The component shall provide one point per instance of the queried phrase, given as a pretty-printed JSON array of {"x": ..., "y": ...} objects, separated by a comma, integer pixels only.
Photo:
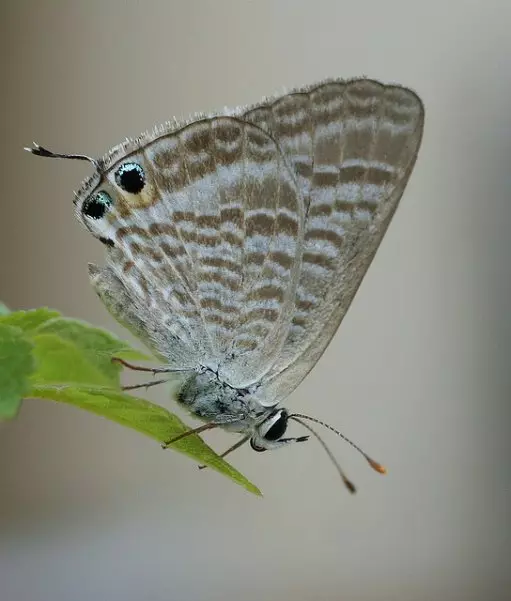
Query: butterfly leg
[
  {"x": 145, "y": 385},
  {"x": 235, "y": 446},
  {"x": 153, "y": 370},
  {"x": 242, "y": 441},
  {"x": 218, "y": 421},
  {"x": 203, "y": 428}
]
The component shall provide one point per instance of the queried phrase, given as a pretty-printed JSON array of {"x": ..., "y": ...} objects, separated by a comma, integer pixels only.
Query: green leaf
[
  {"x": 96, "y": 345},
  {"x": 16, "y": 365},
  {"x": 145, "y": 417},
  {"x": 48, "y": 356},
  {"x": 59, "y": 361},
  {"x": 4, "y": 309},
  {"x": 28, "y": 321}
]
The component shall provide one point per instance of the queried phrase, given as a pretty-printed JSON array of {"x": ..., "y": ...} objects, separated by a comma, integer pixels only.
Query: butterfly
[{"x": 235, "y": 242}]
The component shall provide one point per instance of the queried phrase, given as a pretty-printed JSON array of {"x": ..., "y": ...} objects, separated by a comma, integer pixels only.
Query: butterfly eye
[
  {"x": 97, "y": 205},
  {"x": 275, "y": 426},
  {"x": 130, "y": 177}
]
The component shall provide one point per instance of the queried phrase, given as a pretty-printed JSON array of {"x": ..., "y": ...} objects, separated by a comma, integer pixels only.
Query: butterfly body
[
  {"x": 236, "y": 242},
  {"x": 212, "y": 400},
  {"x": 208, "y": 397}
]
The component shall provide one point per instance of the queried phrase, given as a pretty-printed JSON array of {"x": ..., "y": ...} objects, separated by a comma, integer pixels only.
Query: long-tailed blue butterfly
[{"x": 236, "y": 242}]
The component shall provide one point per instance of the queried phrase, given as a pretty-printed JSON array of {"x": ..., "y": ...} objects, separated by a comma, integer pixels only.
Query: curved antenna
[
  {"x": 348, "y": 483},
  {"x": 40, "y": 151},
  {"x": 378, "y": 467}
]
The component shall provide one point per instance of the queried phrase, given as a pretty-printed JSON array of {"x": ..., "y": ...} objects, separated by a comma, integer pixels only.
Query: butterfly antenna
[
  {"x": 378, "y": 467},
  {"x": 347, "y": 482},
  {"x": 40, "y": 151}
]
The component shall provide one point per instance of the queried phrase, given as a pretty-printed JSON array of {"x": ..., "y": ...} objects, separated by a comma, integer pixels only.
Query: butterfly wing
[
  {"x": 352, "y": 146},
  {"x": 253, "y": 231},
  {"x": 203, "y": 261}
]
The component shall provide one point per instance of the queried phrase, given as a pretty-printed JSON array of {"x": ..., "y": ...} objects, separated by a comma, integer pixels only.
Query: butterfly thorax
[{"x": 209, "y": 398}]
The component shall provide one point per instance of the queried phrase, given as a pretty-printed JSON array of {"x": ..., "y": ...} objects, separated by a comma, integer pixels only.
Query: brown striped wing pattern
[
  {"x": 254, "y": 229},
  {"x": 209, "y": 251},
  {"x": 352, "y": 146}
]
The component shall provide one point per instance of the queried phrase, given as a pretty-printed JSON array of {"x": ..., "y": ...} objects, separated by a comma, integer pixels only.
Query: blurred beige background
[{"x": 418, "y": 374}]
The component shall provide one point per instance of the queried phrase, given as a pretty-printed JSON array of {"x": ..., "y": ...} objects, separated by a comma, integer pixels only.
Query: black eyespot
[
  {"x": 130, "y": 177},
  {"x": 107, "y": 241},
  {"x": 278, "y": 429},
  {"x": 96, "y": 206}
]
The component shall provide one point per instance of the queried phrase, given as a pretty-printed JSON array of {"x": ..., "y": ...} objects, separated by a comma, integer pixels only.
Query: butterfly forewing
[{"x": 363, "y": 139}]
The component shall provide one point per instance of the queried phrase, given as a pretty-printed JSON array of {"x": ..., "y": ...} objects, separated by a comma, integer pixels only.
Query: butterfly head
[{"x": 269, "y": 434}]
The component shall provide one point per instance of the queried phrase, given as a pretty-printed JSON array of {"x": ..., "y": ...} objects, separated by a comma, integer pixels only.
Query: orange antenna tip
[{"x": 378, "y": 467}]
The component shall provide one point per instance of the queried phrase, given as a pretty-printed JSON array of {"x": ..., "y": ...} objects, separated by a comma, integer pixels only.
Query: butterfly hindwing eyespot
[
  {"x": 130, "y": 177},
  {"x": 107, "y": 241},
  {"x": 97, "y": 205}
]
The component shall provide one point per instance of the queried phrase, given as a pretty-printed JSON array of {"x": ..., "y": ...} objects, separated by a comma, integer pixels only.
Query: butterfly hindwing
[{"x": 211, "y": 244}]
